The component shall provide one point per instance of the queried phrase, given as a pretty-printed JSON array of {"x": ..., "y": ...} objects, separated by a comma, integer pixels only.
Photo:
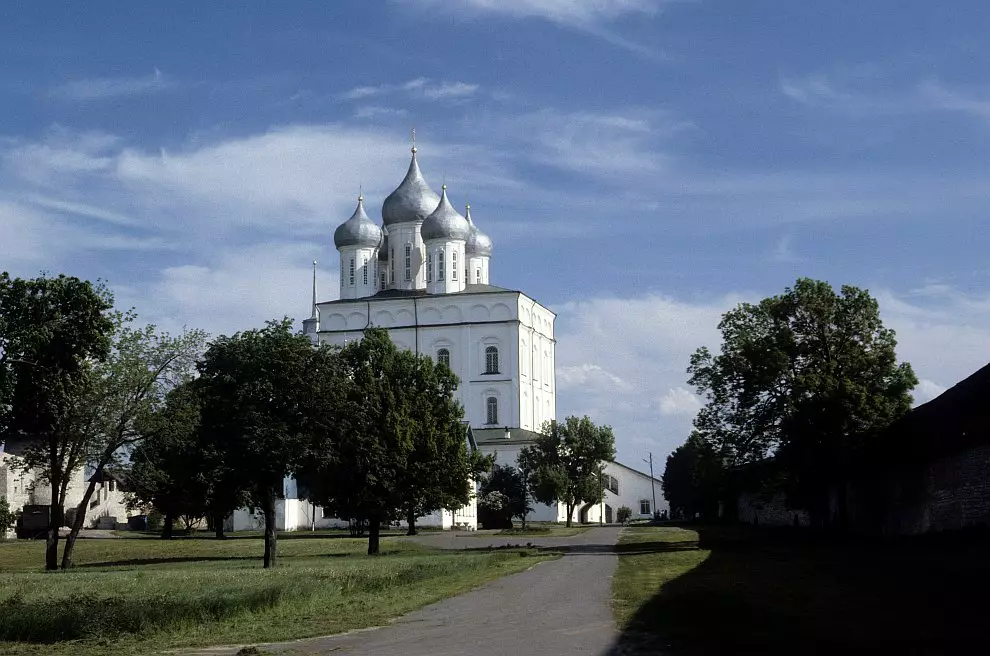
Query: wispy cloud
[
  {"x": 105, "y": 88},
  {"x": 590, "y": 16},
  {"x": 783, "y": 250},
  {"x": 420, "y": 88},
  {"x": 943, "y": 98}
]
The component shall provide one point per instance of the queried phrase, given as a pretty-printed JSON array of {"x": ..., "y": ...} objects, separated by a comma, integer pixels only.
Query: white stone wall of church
[
  {"x": 399, "y": 236},
  {"x": 364, "y": 282},
  {"x": 478, "y": 270},
  {"x": 28, "y": 488},
  {"x": 452, "y": 253}
]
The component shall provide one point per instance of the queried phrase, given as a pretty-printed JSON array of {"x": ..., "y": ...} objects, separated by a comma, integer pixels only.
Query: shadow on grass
[{"x": 792, "y": 592}]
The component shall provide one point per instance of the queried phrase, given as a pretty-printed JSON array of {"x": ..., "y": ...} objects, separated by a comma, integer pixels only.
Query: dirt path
[{"x": 557, "y": 607}]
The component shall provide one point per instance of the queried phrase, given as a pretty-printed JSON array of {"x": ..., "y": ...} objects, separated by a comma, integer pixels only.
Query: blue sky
[{"x": 641, "y": 165}]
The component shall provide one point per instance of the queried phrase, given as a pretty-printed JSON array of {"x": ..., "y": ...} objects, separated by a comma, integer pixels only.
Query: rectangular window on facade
[
  {"x": 381, "y": 280},
  {"x": 441, "y": 274},
  {"x": 408, "y": 261},
  {"x": 491, "y": 360},
  {"x": 453, "y": 265},
  {"x": 644, "y": 507},
  {"x": 364, "y": 270},
  {"x": 352, "y": 272},
  {"x": 391, "y": 266},
  {"x": 477, "y": 276},
  {"x": 429, "y": 267},
  {"x": 492, "y": 410}
]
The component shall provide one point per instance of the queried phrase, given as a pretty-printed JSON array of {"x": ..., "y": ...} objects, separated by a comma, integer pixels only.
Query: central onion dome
[
  {"x": 445, "y": 222},
  {"x": 358, "y": 230},
  {"x": 412, "y": 200},
  {"x": 478, "y": 243}
]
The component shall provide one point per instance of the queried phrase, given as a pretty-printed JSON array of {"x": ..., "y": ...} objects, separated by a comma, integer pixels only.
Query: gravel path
[{"x": 557, "y": 607}]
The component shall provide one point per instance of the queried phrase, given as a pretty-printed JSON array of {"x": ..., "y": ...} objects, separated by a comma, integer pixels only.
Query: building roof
[
  {"x": 445, "y": 222},
  {"x": 412, "y": 200},
  {"x": 635, "y": 471},
  {"x": 478, "y": 243},
  {"x": 358, "y": 230},
  {"x": 389, "y": 294},
  {"x": 496, "y": 436}
]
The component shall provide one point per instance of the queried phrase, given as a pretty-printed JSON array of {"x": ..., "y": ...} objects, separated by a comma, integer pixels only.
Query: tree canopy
[
  {"x": 566, "y": 462},
  {"x": 804, "y": 377}
]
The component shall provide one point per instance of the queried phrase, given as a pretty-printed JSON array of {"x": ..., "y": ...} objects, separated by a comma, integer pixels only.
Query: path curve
[{"x": 556, "y": 607}]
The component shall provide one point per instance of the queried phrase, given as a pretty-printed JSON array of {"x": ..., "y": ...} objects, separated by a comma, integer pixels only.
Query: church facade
[{"x": 423, "y": 273}]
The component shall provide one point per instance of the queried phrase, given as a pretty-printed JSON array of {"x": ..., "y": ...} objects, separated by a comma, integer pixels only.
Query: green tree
[
  {"x": 503, "y": 493},
  {"x": 127, "y": 389},
  {"x": 174, "y": 470},
  {"x": 255, "y": 385},
  {"x": 389, "y": 440},
  {"x": 693, "y": 478},
  {"x": 566, "y": 462},
  {"x": 806, "y": 377},
  {"x": 53, "y": 333},
  {"x": 7, "y": 518}
]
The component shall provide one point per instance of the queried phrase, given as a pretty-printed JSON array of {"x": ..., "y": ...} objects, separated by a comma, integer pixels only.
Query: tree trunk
[
  {"x": 78, "y": 521},
  {"x": 374, "y": 535},
  {"x": 167, "y": 525},
  {"x": 51, "y": 543},
  {"x": 218, "y": 526},
  {"x": 271, "y": 538},
  {"x": 411, "y": 520},
  {"x": 570, "y": 511}
]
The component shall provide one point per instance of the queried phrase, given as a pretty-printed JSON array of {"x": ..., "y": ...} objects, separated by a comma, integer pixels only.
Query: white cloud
[
  {"x": 420, "y": 88},
  {"x": 589, "y": 16},
  {"x": 783, "y": 250},
  {"x": 646, "y": 342},
  {"x": 956, "y": 101},
  {"x": 105, "y": 88},
  {"x": 679, "y": 401}
]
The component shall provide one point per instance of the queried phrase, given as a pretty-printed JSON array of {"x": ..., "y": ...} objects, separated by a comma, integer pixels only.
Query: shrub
[
  {"x": 623, "y": 514},
  {"x": 7, "y": 517}
]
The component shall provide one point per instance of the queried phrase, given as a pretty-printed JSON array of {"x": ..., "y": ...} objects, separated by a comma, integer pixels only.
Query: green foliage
[
  {"x": 391, "y": 441},
  {"x": 565, "y": 463},
  {"x": 53, "y": 333},
  {"x": 806, "y": 376},
  {"x": 8, "y": 517},
  {"x": 255, "y": 386},
  {"x": 623, "y": 514},
  {"x": 504, "y": 494},
  {"x": 693, "y": 479}
]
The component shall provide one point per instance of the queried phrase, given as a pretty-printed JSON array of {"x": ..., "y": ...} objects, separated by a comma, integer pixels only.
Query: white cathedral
[{"x": 424, "y": 275}]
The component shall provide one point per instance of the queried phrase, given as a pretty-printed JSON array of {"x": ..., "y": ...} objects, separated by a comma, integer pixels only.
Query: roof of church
[
  {"x": 388, "y": 294},
  {"x": 488, "y": 436}
]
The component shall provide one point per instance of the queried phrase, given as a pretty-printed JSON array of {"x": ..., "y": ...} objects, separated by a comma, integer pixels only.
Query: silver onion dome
[
  {"x": 358, "y": 230},
  {"x": 478, "y": 243},
  {"x": 412, "y": 200},
  {"x": 445, "y": 222}
]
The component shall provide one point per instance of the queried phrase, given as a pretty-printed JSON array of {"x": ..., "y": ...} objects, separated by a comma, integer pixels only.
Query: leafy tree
[
  {"x": 566, "y": 462},
  {"x": 389, "y": 439},
  {"x": 127, "y": 389},
  {"x": 255, "y": 386},
  {"x": 171, "y": 471},
  {"x": 54, "y": 332},
  {"x": 503, "y": 494},
  {"x": 623, "y": 514},
  {"x": 7, "y": 517},
  {"x": 806, "y": 377},
  {"x": 693, "y": 478}
]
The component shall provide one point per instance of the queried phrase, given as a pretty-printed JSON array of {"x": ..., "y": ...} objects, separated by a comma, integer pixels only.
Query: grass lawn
[
  {"x": 735, "y": 590},
  {"x": 138, "y": 596},
  {"x": 534, "y": 530}
]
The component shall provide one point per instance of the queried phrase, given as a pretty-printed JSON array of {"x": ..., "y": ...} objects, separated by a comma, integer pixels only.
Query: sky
[{"x": 642, "y": 166}]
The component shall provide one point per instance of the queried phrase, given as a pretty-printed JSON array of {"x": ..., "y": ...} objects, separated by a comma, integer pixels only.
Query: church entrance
[{"x": 608, "y": 514}]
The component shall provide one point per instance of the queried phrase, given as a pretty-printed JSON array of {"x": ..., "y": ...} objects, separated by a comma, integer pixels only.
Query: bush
[
  {"x": 623, "y": 514},
  {"x": 7, "y": 518}
]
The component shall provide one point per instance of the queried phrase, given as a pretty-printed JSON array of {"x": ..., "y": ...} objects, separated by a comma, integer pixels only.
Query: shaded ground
[
  {"x": 737, "y": 590},
  {"x": 557, "y": 607}
]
